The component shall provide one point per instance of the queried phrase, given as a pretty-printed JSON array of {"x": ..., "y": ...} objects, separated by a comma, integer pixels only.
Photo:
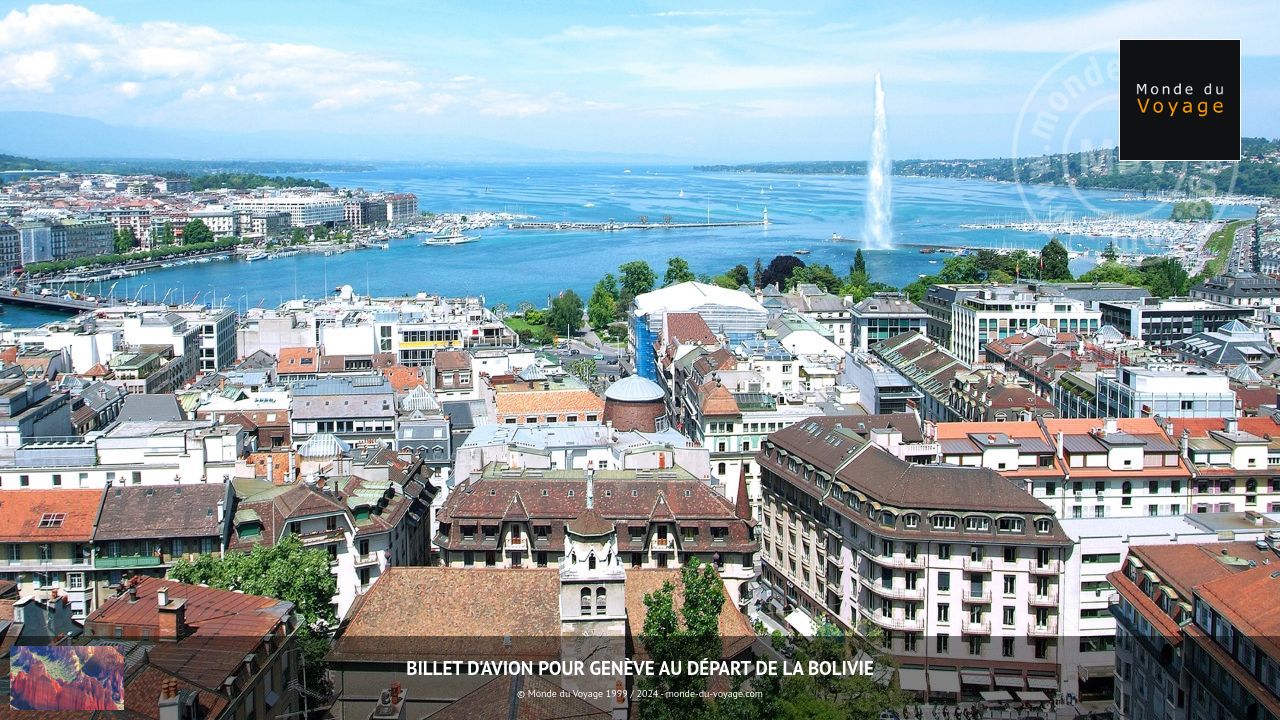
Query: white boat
[
  {"x": 452, "y": 238},
  {"x": 255, "y": 255},
  {"x": 802, "y": 252},
  {"x": 836, "y": 237},
  {"x": 589, "y": 205}
]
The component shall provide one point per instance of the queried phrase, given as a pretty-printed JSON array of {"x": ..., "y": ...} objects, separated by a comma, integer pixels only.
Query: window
[
  {"x": 57, "y": 480},
  {"x": 944, "y": 613},
  {"x": 585, "y": 602},
  {"x": 601, "y": 602},
  {"x": 942, "y": 644},
  {"x": 1010, "y": 554},
  {"x": 1006, "y": 647},
  {"x": 1010, "y": 584},
  {"x": 944, "y": 551},
  {"x": 944, "y": 581},
  {"x": 24, "y": 481},
  {"x": 51, "y": 520},
  {"x": 1011, "y": 525},
  {"x": 490, "y": 558},
  {"x": 1008, "y": 617}
]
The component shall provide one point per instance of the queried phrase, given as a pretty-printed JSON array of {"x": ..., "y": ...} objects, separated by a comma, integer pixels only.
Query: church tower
[{"x": 593, "y": 604}]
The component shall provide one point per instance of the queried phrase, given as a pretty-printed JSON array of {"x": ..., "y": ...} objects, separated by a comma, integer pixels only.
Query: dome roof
[
  {"x": 590, "y": 524},
  {"x": 323, "y": 445},
  {"x": 634, "y": 389}
]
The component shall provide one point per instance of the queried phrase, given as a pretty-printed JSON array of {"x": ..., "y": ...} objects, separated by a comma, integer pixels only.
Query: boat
[
  {"x": 255, "y": 255},
  {"x": 928, "y": 250},
  {"x": 589, "y": 205},
  {"x": 451, "y": 238},
  {"x": 836, "y": 237},
  {"x": 802, "y": 252}
]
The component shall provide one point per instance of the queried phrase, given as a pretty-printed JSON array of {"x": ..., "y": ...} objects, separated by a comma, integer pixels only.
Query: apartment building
[
  {"x": 1195, "y": 629},
  {"x": 30, "y": 410},
  {"x": 352, "y": 408},
  {"x": 401, "y": 207},
  {"x": 930, "y": 368},
  {"x": 10, "y": 248},
  {"x": 957, "y": 567},
  {"x": 48, "y": 543},
  {"x": 1163, "y": 321},
  {"x": 815, "y": 304},
  {"x": 997, "y": 312},
  {"x": 517, "y": 517},
  {"x": 882, "y": 316},
  {"x": 1235, "y": 463},
  {"x": 304, "y": 210},
  {"x": 1255, "y": 291}
]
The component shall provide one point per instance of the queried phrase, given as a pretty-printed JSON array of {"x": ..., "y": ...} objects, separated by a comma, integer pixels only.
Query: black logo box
[{"x": 1180, "y": 65}]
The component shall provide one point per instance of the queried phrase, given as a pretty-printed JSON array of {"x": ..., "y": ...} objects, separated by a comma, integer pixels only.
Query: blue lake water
[{"x": 514, "y": 265}]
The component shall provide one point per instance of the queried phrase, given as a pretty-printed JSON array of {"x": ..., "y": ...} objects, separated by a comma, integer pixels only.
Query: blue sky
[{"x": 688, "y": 80}]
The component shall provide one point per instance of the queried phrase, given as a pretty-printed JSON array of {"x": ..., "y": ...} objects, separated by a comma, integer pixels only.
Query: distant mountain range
[
  {"x": 1258, "y": 170},
  {"x": 52, "y": 136}
]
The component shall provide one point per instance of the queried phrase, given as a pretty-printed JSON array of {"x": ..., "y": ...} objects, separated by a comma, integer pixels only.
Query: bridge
[{"x": 52, "y": 302}]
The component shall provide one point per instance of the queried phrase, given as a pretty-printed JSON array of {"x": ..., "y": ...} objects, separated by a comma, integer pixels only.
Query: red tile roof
[
  {"x": 297, "y": 360},
  {"x": 60, "y": 515},
  {"x": 684, "y": 328},
  {"x": 452, "y": 360},
  {"x": 1200, "y": 427},
  {"x": 402, "y": 378}
]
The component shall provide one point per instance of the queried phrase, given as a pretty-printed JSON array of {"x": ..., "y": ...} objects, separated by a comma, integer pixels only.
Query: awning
[
  {"x": 1009, "y": 681},
  {"x": 975, "y": 677},
  {"x": 911, "y": 679},
  {"x": 1095, "y": 671},
  {"x": 801, "y": 623},
  {"x": 1033, "y": 696},
  {"x": 996, "y": 696},
  {"x": 944, "y": 681},
  {"x": 1044, "y": 683}
]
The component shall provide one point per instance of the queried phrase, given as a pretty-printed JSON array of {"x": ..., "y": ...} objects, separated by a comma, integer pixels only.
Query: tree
[
  {"x": 1165, "y": 277},
  {"x": 297, "y": 236},
  {"x": 677, "y": 272},
  {"x": 1113, "y": 272},
  {"x": 666, "y": 639},
  {"x": 757, "y": 274},
  {"x": 1054, "y": 261},
  {"x": 779, "y": 271},
  {"x": 602, "y": 308},
  {"x": 166, "y": 235},
  {"x": 523, "y": 308},
  {"x": 821, "y": 275},
  {"x": 196, "y": 232},
  {"x": 125, "y": 241},
  {"x": 321, "y": 232},
  {"x": 835, "y": 695},
  {"x": 501, "y": 310},
  {"x": 739, "y": 275},
  {"x": 584, "y": 368},
  {"x": 286, "y": 571},
  {"x": 859, "y": 262},
  {"x": 637, "y": 279},
  {"x": 1110, "y": 254},
  {"x": 565, "y": 313}
]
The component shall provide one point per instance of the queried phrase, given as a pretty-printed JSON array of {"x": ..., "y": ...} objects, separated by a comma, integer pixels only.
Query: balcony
[
  {"x": 972, "y": 565},
  {"x": 367, "y": 559},
  {"x": 663, "y": 544},
  {"x": 976, "y": 628},
  {"x": 324, "y": 537},
  {"x": 1043, "y": 600},
  {"x": 894, "y": 561},
  {"x": 1048, "y": 628},
  {"x": 128, "y": 561},
  {"x": 897, "y": 623},
  {"x": 517, "y": 543},
  {"x": 50, "y": 564},
  {"x": 1052, "y": 567},
  {"x": 896, "y": 593},
  {"x": 976, "y": 596}
]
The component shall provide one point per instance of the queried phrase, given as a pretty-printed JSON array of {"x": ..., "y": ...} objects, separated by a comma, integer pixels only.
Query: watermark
[{"x": 1066, "y": 135}]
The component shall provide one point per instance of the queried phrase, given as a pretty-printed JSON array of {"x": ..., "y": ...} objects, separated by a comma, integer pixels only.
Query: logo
[{"x": 1180, "y": 100}]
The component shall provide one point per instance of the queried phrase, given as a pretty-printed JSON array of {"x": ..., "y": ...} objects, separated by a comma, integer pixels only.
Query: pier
[{"x": 612, "y": 226}]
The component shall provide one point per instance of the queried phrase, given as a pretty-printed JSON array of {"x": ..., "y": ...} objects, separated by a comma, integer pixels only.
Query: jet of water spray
[{"x": 878, "y": 231}]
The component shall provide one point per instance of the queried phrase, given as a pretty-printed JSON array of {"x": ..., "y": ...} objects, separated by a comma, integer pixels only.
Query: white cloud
[
  {"x": 29, "y": 71},
  {"x": 129, "y": 89}
]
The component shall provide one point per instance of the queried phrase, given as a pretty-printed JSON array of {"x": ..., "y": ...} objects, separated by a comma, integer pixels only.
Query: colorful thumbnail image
[{"x": 56, "y": 677}]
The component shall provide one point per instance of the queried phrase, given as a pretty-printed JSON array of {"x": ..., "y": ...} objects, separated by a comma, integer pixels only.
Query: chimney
[
  {"x": 591, "y": 487},
  {"x": 170, "y": 704},
  {"x": 172, "y": 620},
  {"x": 1110, "y": 426},
  {"x": 1232, "y": 424},
  {"x": 1058, "y": 449},
  {"x": 222, "y": 510},
  {"x": 1185, "y": 443},
  {"x": 133, "y": 595},
  {"x": 162, "y": 595},
  {"x": 391, "y": 704}
]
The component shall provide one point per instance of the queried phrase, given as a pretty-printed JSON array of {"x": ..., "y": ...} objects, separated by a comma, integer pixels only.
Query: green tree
[
  {"x": 297, "y": 236},
  {"x": 501, "y": 310},
  {"x": 1111, "y": 254},
  {"x": 677, "y": 272},
  {"x": 166, "y": 235},
  {"x": 821, "y": 275},
  {"x": 321, "y": 232},
  {"x": 739, "y": 275},
  {"x": 637, "y": 278},
  {"x": 584, "y": 368},
  {"x": 196, "y": 232},
  {"x": 835, "y": 696},
  {"x": 565, "y": 313},
  {"x": 602, "y": 308},
  {"x": 757, "y": 274},
  {"x": 125, "y": 241},
  {"x": 859, "y": 262},
  {"x": 779, "y": 271},
  {"x": 286, "y": 571},
  {"x": 1165, "y": 277},
  {"x": 1054, "y": 261},
  {"x": 667, "y": 639}
]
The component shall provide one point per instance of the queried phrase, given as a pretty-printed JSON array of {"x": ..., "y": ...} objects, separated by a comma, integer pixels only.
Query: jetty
[
  {"x": 53, "y": 302},
  {"x": 614, "y": 226}
]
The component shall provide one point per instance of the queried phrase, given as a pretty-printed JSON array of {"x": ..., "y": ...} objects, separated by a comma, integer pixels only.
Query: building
[
  {"x": 133, "y": 216},
  {"x": 451, "y": 374},
  {"x": 882, "y": 316},
  {"x": 352, "y": 408},
  {"x": 724, "y": 311},
  {"x": 958, "y": 568},
  {"x": 10, "y": 248},
  {"x": 828, "y": 310},
  {"x": 48, "y": 543},
  {"x": 222, "y": 222},
  {"x": 143, "y": 530},
  {"x": 480, "y": 614},
  {"x": 1229, "y": 346},
  {"x": 1164, "y": 321},
  {"x": 1195, "y": 629},
  {"x": 365, "y": 523},
  {"x": 929, "y": 367},
  {"x": 1260, "y": 293},
  {"x": 1235, "y": 463},
  {"x": 880, "y": 388},
  {"x": 635, "y": 403},
  {"x": 304, "y": 210},
  {"x": 65, "y": 239},
  {"x": 30, "y": 410},
  {"x": 531, "y": 397},
  {"x": 264, "y": 223},
  {"x": 517, "y": 517},
  {"x": 1164, "y": 390},
  {"x": 401, "y": 207},
  {"x": 203, "y": 652},
  {"x": 997, "y": 312}
]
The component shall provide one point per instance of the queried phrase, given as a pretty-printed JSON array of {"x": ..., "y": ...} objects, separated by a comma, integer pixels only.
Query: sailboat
[{"x": 681, "y": 192}]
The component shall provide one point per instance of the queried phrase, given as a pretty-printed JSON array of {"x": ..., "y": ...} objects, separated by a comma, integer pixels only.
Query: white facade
[
  {"x": 1167, "y": 391},
  {"x": 304, "y": 210},
  {"x": 998, "y": 312}
]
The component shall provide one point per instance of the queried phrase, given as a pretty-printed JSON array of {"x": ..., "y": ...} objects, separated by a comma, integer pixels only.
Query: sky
[{"x": 699, "y": 81}]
